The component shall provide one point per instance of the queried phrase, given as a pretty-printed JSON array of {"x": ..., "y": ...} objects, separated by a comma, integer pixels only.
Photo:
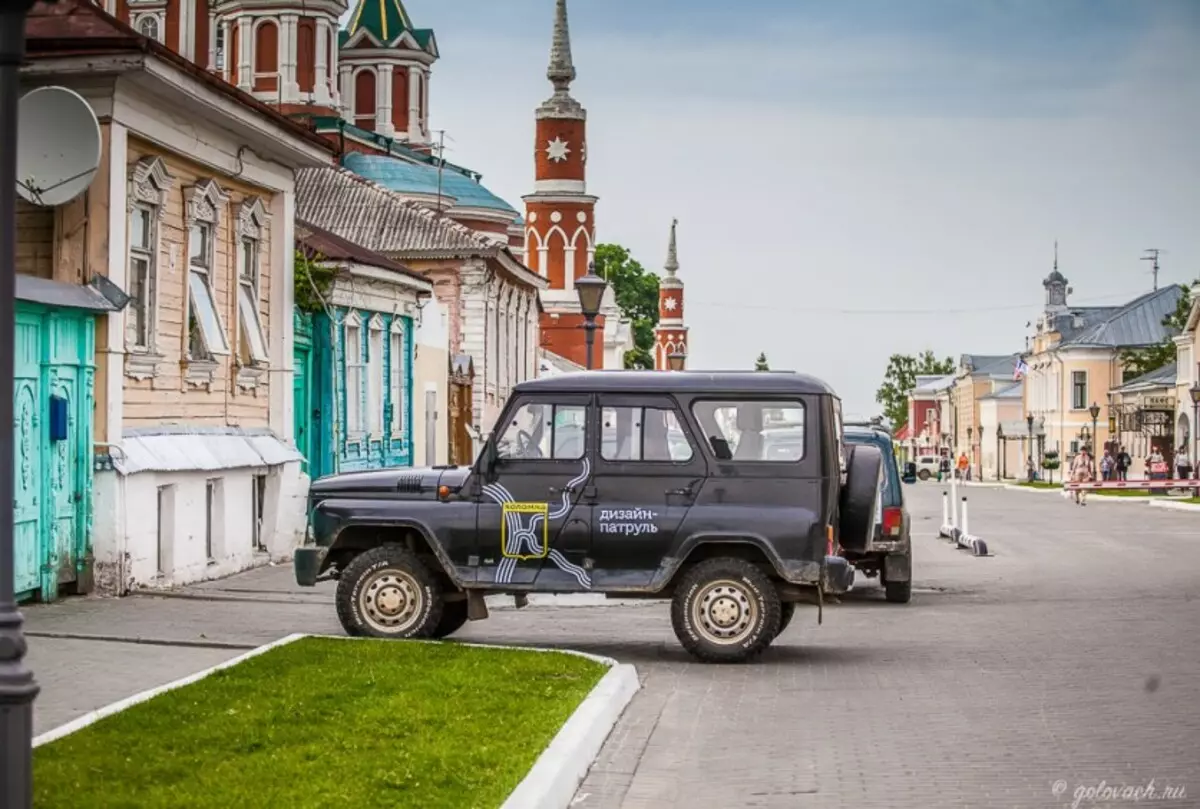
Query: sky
[{"x": 855, "y": 178}]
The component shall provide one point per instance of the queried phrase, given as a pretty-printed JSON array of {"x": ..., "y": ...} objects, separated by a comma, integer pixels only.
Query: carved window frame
[
  {"x": 144, "y": 10},
  {"x": 253, "y": 349},
  {"x": 150, "y": 185},
  {"x": 376, "y": 370},
  {"x": 352, "y": 326},
  {"x": 203, "y": 204},
  {"x": 398, "y": 368}
]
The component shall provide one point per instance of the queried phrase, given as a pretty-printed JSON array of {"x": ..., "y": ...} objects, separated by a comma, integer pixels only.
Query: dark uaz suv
[{"x": 628, "y": 483}]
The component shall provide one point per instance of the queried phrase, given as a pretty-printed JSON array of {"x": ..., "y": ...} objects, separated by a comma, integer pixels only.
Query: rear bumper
[
  {"x": 837, "y": 576},
  {"x": 307, "y": 563}
]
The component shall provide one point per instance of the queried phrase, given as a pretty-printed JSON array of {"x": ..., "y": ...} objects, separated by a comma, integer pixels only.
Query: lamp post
[
  {"x": 676, "y": 361},
  {"x": 1095, "y": 411},
  {"x": 970, "y": 451},
  {"x": 17, "y": 686},
  {"x": 1195, "y": 392},
  {"x": 590, "y": 288},
  {"x": 1000, "y": 453},
  {"x": 1033, "y": 469}
]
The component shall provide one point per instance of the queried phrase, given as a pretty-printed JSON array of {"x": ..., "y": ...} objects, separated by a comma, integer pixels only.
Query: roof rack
[{"x": 874, "y": 424}]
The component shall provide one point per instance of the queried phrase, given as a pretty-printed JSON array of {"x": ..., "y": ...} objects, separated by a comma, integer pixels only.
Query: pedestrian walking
[
  {"x": 963, "y": 464},
  {"x": 1081, "y": 472},
  {"x": 1107, "y": 465},
  {"x": 1123, "y": 464},
  {"x": 1183, "y": 464}
]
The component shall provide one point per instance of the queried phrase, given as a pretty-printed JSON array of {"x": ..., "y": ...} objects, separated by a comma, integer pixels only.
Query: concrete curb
[
  {"x": 1174, "y": 506},
  {"x": 555, "y": 776},
  {"x": 562, "y": 766},
  {"x": 108, "y": 710},
  {"x": 1012, "y": 487}
]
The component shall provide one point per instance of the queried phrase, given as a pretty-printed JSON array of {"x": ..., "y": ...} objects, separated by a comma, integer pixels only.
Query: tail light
[{"x": 893, "y": 520}]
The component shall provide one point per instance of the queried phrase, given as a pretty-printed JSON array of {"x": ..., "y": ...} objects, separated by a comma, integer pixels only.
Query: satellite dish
[{"x": 58, "y": 146}]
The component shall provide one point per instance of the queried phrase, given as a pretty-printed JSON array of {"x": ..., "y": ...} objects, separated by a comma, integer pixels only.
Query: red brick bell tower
[
  {"x": 670, "y": 335},
  {"x": 560, "y": 228}
]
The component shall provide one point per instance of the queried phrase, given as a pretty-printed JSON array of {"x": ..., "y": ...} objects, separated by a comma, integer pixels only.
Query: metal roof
[
  {"x": 734, "y": 383},
  {"x": 989, "y": 364},
  {"x": 1137, "y": 323},
  {"x": 56, "y": 293},
  {"x": 1163, "y": 377},
  {"x": 1013, "y": 391},
  {"x": 421, "y": 178},
  {"x": 198, "y": 449}
]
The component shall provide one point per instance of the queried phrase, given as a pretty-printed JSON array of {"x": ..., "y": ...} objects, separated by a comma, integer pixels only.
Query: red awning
[{"x": 903, "y": 434}]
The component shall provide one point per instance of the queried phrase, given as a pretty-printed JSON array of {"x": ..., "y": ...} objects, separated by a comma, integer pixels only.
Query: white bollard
[
  {"x": 953, "y": 498},
  {"x": 965, "y": 532},
  {"x": 945, "y": 509}
]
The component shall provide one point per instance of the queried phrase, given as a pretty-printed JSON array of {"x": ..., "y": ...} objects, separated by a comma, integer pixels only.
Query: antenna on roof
[
  {"x": 1152, "y": 255},
  {"x": 441, "y": 166}
]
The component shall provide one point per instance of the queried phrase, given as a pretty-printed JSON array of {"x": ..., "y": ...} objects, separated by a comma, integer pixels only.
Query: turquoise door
[
  {"x": 53, "y": 478},
  {"x": 302, "y": 405},
  {"x": 27, "y": 442}
]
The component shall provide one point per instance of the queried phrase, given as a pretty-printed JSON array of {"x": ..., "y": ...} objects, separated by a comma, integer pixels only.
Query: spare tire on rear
[{"x": 858, "y": 506}]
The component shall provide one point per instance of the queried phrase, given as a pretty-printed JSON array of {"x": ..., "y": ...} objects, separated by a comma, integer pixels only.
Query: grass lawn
[
  {"x": 1040, "y": 484},
  {"x": 326, "y": 722}
]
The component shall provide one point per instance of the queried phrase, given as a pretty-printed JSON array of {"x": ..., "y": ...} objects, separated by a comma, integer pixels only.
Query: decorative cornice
[
  {"x": 252, "y": 218},
  {"x": 204, "y": 201},
  {"x": 149, "y": 182}
]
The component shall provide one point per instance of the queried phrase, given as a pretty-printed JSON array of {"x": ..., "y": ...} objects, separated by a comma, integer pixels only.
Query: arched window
[
  {"x": 147, "y": 26},
  {"x": 266, "y": 56},
  {"x": 306, "y": 54},
  {"x": 364, "y": 99}
]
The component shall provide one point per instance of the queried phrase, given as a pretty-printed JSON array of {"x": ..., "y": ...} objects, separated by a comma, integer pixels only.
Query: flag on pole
[{"x": 1021, "y": 369}]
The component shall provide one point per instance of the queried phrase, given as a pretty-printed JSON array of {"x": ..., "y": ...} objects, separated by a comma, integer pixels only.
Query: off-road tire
[
  {"x": 746, "y": 582},
  {"x": 924, "y": 474},
  {"x": 786, "y": 610},
  {"x": 896, "y": 592},
  {"x": 454, "y": 615},
  {"x": 856, "y": 510},
  {"x": 364, "y": 568}
]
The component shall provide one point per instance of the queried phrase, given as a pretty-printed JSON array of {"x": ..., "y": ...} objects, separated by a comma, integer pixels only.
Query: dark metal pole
[
  {"x": 589, "y": 337},
  {"x": 17, "y": 687},
  {"x": 1094, "y": 434},
  {"x": 1196, "y": 444}
]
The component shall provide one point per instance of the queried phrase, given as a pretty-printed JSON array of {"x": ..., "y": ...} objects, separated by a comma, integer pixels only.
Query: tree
[
  {"x": 901, "y": 377},
  {"x": 636, "y": 292},
  {"x": 1139, "y": 361},
  {"x": 760, "y": 364}
]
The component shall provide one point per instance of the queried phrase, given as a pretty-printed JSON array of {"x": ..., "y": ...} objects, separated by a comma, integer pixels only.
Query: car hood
[{"x": 411, "y": 480}]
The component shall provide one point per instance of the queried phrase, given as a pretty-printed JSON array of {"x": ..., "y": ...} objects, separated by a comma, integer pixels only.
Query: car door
[
  {"x": 532, "y": 531},
  {"x": 648, "y": 473}
]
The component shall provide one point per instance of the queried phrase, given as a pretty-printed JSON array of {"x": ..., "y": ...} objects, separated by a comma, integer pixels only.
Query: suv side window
[
  {"x": 542, "y": 430},
  {"x": 770, "y": 431},
  {"x": 642, "y": 434}
]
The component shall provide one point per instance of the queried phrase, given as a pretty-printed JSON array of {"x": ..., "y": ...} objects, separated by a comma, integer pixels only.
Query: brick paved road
[{"x": 1071, "y": 654}]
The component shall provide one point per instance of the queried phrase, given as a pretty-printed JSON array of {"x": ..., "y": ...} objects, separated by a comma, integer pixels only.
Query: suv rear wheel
[
  {"x": 897, "y": 592},
  {"x": 387, "y": 592},
  {"x": 725, "y": 610}
]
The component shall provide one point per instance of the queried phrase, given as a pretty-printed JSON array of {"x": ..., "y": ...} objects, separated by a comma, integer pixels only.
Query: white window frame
[
  {"x": 399, "y": 375},
  {"x": 375, "y": 373},
  {"x": 352, "y": 362},
  {"x": 204, "y": 203},
  {"x": 253, "y": 347},
  {"x": 1084, "y": 403},
  {"x": 149, "y": 188},
  {"x": 160, "y": 25}
]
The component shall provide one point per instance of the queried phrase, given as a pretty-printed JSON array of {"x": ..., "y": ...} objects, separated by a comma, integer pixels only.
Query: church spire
[
  {"x": 672, "y": 263},
  {"x": 561, "y": 71}
]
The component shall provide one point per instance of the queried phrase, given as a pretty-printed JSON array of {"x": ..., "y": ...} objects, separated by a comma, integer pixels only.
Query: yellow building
[
  {"x": 976, "y": 377},
  {"x": 1073, "y": 362}
]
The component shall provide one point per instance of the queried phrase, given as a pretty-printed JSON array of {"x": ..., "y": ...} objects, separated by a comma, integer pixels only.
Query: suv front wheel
[
  {"x": 725, "y": 610},
  {"x": 387, "y": 592}
]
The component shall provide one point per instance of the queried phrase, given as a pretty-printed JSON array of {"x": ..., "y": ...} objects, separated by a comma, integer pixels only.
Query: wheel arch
[{"x": 358, "y": 536}]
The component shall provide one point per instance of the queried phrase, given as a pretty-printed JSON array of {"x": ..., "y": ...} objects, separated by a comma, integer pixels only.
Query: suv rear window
[
  {"x": 889, "y": 492},
  {"x": 770, "y": 431}
]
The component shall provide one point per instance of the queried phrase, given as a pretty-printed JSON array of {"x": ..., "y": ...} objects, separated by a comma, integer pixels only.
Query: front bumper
[
  {"x": 307, "y": 563},
  {"x": 837, "y": 576}
]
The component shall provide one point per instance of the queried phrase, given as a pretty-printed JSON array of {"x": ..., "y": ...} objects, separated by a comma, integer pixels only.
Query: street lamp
[
  {"x": 590, "y": 288},
  {"x": 17, "y": 686},
  {"x": 1000, "y": 453},
  {"x": 1195, "y": 392},
  {"x": 676, "y": 360},
  {"x": 1033, "y": 469},
  {"x": 1095, "y": 411}
]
